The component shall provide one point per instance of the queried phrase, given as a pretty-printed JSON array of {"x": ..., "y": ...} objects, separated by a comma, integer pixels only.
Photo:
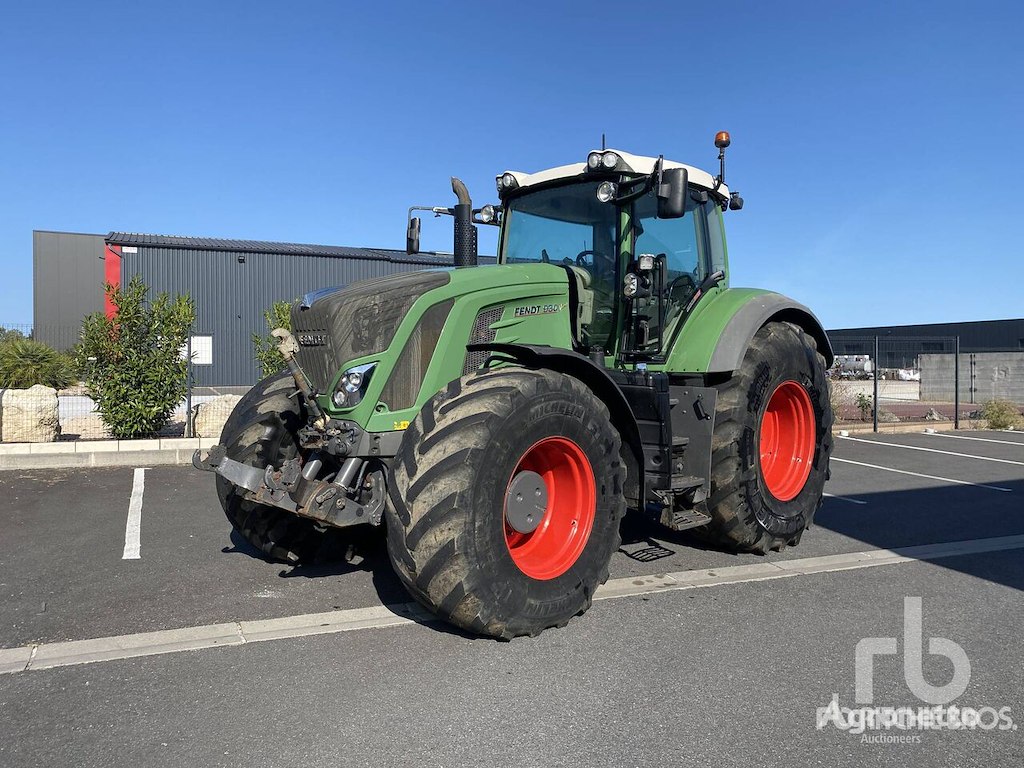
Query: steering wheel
[
  {"x": 686, "y": 283},
  {"x": 581, "y": 259}
]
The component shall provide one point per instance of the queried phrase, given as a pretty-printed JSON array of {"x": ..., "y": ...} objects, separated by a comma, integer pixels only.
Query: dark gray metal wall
[
  {"x": 67, "y": 284},
  {"x": 975, "y": 336},
  {"x": 231, "y": 295}
]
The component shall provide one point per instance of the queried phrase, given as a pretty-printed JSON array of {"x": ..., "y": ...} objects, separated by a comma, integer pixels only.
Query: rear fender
[{"x": 716, "y": 338}]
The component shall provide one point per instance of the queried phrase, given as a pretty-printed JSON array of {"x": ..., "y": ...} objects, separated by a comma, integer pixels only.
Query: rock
[
  {"x": 211, "y": 415},
  {"x": 934, "y": 415},
  {"x": 29, "y": 415},
  {"x": 887, "y": 417},
  {"x": 89, "y": 427}
]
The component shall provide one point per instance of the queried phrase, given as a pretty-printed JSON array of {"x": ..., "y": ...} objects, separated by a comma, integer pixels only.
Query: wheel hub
[{"x": 526, "y": 501}]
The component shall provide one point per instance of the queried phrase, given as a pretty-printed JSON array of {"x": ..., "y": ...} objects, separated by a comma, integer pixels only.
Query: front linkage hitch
[{"x": 294, "y": 485}]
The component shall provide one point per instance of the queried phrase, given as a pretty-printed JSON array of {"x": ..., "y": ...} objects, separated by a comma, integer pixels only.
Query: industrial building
[
  {"x": 231, "y": 282},
  {"x": 990, "y": 365},
  {"x": 900, "y": 345}
]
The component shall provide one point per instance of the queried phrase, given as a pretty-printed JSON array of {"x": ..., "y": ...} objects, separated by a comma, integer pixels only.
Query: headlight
[
  {"x": 610, "y": 160},
  {"x": 606, "y": 191},
  {"x": 487, "y": 214},
  {"x": 352, "y": 386},
  {"x": 630, "y": 285},
  {"x": 506, "y": 182},
  {"x": 645, "y": 262},
  {"x": 594, "y": 160}
]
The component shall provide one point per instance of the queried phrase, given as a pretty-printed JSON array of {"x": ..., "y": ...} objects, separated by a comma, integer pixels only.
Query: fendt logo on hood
[
  {"x": 312, "y": 339},
  {"x": 538, "y": 309}
]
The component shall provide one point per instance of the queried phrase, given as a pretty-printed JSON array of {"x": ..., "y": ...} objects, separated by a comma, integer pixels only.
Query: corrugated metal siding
[
  {"x": 231, "y": 296},
  {"x": 67, "y": 284},
  {"x": 975, "y": 336}
]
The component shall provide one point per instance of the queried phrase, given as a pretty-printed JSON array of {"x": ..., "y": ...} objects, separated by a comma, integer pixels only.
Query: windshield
[
  {"x": 560, "y": 225},
  {"x": 568, "y": 225}
]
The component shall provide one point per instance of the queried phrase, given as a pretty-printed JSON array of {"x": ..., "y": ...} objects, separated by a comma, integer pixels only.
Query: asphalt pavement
[{"x": 731, "y": 673}]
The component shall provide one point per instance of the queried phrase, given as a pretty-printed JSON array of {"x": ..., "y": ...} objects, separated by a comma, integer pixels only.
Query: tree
[
  {"x": 10, "y": 334},
  {"x": 265, "y": 347},
  {"x": 133, "y": 362}
]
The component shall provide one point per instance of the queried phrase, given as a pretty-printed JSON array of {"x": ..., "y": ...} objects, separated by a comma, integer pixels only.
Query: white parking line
[
  {"x": 843, "y": 498},
  {"x": 918, "y": 474},
  {"x": 50, "y": 655},
  {"x": 933, "y": 450},
  {"x": 133, "y": 528},
  {"x": 979, "y": 439}
]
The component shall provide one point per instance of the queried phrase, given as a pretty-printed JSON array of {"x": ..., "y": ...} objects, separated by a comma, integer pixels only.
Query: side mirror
[
  {"x": 412, "y": 236},
  {"x": 672, "y": 193}
]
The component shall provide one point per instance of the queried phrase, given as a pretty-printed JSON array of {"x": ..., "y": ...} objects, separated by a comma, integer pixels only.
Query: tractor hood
[
  {"x": 335, "y": 325},
  {"x": 402, "y": 322}
]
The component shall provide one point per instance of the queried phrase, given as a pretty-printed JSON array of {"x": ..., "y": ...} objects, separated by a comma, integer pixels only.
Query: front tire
[
  {"x": 262, "y": 431},
  {"x": 462, "y": 534},
  {"x": 772, "y": 443}
]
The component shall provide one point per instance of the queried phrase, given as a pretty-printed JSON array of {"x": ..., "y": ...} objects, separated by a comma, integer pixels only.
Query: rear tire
[
  {"x": 261, "y": 431},
  {"x": 449, "y": 537},
  {"x": 772, "y": 443}
]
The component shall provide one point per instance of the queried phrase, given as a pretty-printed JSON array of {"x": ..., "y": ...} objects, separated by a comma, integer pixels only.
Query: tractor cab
[{"x": 640, "y": 235}]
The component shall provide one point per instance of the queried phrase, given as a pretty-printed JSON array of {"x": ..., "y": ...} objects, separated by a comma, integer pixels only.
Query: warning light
[{"x": 722, "y": 139}]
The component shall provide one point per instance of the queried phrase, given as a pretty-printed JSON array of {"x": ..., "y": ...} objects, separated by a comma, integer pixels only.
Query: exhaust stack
[{"x": 465, "y": 230}]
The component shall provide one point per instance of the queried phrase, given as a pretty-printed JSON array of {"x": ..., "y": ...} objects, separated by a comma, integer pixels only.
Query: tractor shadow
[{"x": 348, "y": 551}]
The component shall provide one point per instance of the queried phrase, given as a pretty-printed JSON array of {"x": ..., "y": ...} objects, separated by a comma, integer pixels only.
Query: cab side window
[{"x": 679, "y": 239}]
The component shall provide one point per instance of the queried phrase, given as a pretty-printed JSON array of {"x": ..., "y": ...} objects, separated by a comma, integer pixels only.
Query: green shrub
[
  {"x": 133, "y": 364},
  {"x": 265, "y": 347},
  {"x": 1001, "y": 414},
  {"x": 24, "y": 363},
  {"x": 865, "y": 405}
]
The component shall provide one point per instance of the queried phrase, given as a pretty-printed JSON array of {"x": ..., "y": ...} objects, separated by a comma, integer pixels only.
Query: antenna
[{"x": 602, "y": 142}]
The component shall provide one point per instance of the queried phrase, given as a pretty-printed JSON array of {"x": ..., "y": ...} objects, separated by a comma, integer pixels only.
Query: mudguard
[{"x": 716, "y": 338}]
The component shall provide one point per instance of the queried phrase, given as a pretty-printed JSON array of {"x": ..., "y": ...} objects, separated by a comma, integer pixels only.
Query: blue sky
[{"x": 878, "y": 146}]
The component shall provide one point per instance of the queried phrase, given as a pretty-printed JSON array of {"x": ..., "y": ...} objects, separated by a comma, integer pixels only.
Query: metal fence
[
  {"x": 891, "y": 380},
  {"x": 67, "y": 412},
  {"x": 877, "y": 380}
]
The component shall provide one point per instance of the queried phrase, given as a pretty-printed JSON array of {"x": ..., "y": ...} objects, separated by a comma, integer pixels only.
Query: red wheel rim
[
  {"x": 564, "y": 529},
  {"x": 787, "y": 440}
]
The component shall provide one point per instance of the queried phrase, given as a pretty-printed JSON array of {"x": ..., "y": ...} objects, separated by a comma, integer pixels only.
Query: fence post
[
  {"x": 188, "y": 389},
  {"x": 874, "y": 402},
  {"x": 956, "y": 383}
]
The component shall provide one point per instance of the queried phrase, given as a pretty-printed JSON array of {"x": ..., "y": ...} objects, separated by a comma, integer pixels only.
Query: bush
[
  {"x": 265, "y": 347},
  {"x": 866, "y": 406},
  {"x": 24, "y": 363},
  {"x": 1001, "y": 414},
  {"x": 133, "y": 363}
]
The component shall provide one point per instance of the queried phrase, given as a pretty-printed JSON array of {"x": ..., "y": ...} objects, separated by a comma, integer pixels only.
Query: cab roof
[{"x": 640, "y": 164}]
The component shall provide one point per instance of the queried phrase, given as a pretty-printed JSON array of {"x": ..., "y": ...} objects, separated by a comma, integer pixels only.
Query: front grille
[
  {"x": 482, "y": 333},
  {"x": 314, "y": 359}
]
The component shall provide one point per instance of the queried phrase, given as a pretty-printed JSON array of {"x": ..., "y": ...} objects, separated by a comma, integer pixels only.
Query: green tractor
[{"x": 500, "y": 420}]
